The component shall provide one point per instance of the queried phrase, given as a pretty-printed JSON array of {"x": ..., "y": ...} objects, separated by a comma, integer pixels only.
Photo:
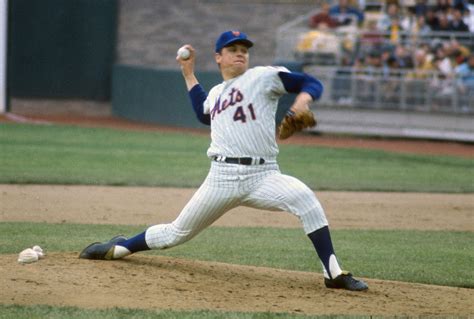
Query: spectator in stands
[
  {"x": 443, "y": 6},
  {"x": 443, "y": 24},
  {"x": 373, "y": 63},
  {"x": 428, "y": 49},
  {"x": 403, "y": 57},
  {"x": 392, "y": 64},
  {"x": 423, "y": 66},
  {"x": 419, "y": 30},
  {"x": 465, "y": 81},
  {"x": 462, "y": 5},
  {"x": 322, "y": 19},
  {"x": 417, "y": 79},
  {"x": 393, "y": 11},
  {"x": 457, "y": 24},
  {"x": 446, "y": 55},
  {"x": 460, "y": 51},
  {"x": 395, "y": 31},
  {"x": 390, "y": 85},
  {"x": 457, "y": 57},
  {"x": 345, "y": 14},
  {"x": 360, "y": 4},
  {"x": 442, "y": 84},
  {"x": 389, "y": 2},
  {"x": 420, "y": 8},
  {"x": 432, "y": 19},
  {"x": 388, "y": 61},
  {"x": 387, "y": 53},
  {"x": 371, "y": 38}
]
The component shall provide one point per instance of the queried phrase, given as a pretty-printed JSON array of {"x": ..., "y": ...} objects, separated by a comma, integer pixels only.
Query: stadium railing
[{"x": 373, "y": 88}]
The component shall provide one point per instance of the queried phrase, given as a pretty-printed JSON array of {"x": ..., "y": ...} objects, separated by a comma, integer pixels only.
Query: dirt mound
[{"x": 157, "y": 282}]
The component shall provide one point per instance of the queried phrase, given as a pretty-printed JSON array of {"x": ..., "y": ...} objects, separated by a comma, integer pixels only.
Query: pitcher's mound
[{"x": 157, "y": 282}]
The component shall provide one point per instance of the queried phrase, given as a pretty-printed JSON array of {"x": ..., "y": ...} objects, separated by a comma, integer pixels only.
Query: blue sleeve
[
  {"x": 198, "y": 96},
  {"x": 295, "y": 82}
]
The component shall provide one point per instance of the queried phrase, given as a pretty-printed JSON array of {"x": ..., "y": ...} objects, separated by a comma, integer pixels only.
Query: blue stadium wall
[
  {"x": 155, "y": 96},
  {"x": 160, "y": 96},
  {"x": 61, "y": 48}
]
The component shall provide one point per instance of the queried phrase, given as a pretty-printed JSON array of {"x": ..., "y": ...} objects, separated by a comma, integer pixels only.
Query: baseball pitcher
[{"x": 243, "y": 153}]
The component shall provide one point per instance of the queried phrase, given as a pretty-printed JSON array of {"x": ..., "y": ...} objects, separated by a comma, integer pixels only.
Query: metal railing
[{"x": 372, "y": 88}]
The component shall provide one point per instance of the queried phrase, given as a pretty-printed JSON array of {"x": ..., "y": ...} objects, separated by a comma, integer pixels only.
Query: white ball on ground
[{"x": 39, "y": 251}]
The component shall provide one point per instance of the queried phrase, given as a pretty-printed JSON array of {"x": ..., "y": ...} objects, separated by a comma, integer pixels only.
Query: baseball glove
[{"x": 295, "y": 122}]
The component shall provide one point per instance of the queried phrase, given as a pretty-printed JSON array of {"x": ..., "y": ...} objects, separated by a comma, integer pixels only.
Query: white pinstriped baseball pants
[{"x": 230, "y": 185}]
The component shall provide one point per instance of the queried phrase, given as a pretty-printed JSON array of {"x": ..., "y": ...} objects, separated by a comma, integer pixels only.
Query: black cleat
[
  {"x": 102, "y": 251},
  {"x": 346, "y": 281}
]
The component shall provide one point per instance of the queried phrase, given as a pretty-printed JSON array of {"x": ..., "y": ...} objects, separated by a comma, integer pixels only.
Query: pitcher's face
[{"x": 233, "y": 60}]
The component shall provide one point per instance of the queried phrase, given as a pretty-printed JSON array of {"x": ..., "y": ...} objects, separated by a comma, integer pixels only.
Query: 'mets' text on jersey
[{"x": 242, "y": 112}]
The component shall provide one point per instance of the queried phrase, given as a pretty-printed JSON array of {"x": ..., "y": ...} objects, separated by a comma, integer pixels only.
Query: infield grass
[
  {"x": 431, "y": 257},
  {"x": 50, "y": 154}
]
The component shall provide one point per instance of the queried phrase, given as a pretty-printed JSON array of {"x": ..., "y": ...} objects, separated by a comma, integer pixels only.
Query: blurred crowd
[
  {"x": 414, "y": 40},
  {"x": 418, "y": 17}
]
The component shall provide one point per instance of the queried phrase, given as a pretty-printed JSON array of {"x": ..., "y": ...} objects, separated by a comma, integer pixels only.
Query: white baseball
[
  {"x": 38, "y": 251},
  {"x": 184, "y": 53}
]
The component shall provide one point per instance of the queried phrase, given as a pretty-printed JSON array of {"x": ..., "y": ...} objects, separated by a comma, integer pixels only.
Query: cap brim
[{"x": 245, "y": 42}]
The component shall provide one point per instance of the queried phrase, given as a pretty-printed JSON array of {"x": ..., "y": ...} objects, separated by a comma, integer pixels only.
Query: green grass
[
  {"x": 364, "y": 170},
  {"x": 36, "y": 312},
  {"x": 73, "y": 155},
  {"x": 431, "y": 257}
]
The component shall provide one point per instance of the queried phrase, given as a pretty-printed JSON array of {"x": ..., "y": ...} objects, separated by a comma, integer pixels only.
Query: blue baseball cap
[{"x": 229, "y": 37}]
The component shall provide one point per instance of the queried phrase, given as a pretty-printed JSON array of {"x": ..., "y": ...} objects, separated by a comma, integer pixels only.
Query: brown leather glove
[{"x": 295, "y": 122}]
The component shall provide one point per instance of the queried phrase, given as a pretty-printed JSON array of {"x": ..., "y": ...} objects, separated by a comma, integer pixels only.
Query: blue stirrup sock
[
  {"x": 137, "y": 243},
  {"x": 322, "y": 242}
]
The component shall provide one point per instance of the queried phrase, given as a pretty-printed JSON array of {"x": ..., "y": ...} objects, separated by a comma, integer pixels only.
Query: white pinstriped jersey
[{"x": 242, "y": 113}]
